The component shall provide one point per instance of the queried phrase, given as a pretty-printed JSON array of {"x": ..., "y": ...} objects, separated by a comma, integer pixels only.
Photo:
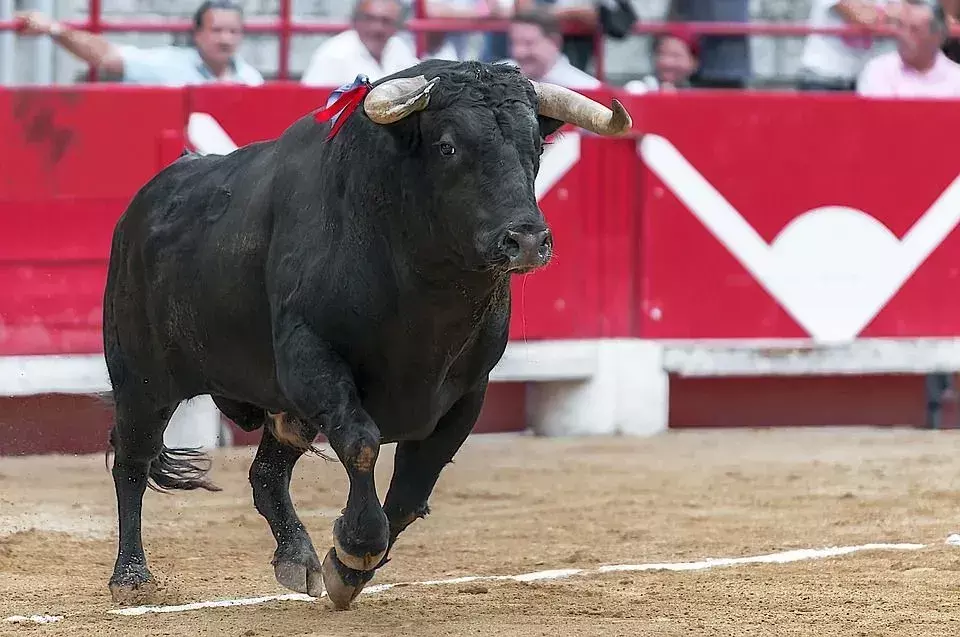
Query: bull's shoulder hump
[{"x": 193, "y": 174}]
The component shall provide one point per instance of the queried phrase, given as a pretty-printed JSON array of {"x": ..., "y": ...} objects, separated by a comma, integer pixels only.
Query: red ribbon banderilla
[{"x": 346, "y": 103}]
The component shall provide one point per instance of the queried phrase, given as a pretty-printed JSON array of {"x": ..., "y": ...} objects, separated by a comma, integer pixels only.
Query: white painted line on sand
[
  {"x": 771, "y": 558},
  {"x": 143, "y": 610},
  {"x": 33, "y": 619}
]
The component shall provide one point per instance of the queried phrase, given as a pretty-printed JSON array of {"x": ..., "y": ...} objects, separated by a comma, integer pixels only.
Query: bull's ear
[{"x": 548, "y": 125}]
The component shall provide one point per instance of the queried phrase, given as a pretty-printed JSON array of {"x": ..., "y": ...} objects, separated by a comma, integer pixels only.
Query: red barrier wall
[
  {"x": 71, "y": 161},
  {"x": 640, "y": 248},
  {"x": 77, "y": 157},
  {"x": 871, "y": 172}
]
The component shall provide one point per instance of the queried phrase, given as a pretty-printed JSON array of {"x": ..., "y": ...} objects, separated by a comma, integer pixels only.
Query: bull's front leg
[
  {"x": 416, "y": 469},
  {"x": 321, "y": 387},
  {"x": 418, "y": 463}
]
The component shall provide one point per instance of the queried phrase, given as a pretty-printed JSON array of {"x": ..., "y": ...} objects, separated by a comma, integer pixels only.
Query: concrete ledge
[
  {"x": 29, "y": 375},
  {"x": 574, "y": 387},
  {"x": 543, "y": 361},
  {"x": 802, "y": 357},
  {"x": 627, "y": 393}
]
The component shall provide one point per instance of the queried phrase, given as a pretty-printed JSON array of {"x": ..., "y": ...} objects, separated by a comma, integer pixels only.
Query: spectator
[
  {"x": 952, "y": 46},
  {"x": 217, "y": 34},
  {"x": 918, "y": 68},
  {"x": 832, "y": 63},
  {"x": 676, "y": 56},
  {"x": 577, "y": 48},
  {"x": 724, "y": 59},
  {"x": 372, "y": 47},
  {"x": 535, "y": 40}
]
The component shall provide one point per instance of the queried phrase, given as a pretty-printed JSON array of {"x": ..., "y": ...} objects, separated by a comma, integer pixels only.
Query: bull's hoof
[
  {"x": 365, "y": 562},
  {"x": 299, "y": 577},
  {"x": 134, "y": 585},
  {"x": 297, "y": 567},
  {"x": 342, "y": 583}
]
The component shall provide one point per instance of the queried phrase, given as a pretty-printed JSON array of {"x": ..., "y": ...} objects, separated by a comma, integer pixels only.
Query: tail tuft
[{"x": 182, "y": 469}]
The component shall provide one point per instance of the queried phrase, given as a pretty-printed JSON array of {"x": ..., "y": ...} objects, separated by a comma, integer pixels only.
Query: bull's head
[{"x": 480, "y": 144}]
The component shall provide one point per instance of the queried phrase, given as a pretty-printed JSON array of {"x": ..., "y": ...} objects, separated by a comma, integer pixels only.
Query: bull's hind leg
[
  {"x": 137, "y": 439},
  {"x": 295, "y": 562},
  {"x": 141, "y": 460}
]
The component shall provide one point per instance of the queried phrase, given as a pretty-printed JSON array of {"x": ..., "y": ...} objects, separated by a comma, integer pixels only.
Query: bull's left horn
[
  {"x": 393, "y": 100},
  {"x": 569, "y": 106}
]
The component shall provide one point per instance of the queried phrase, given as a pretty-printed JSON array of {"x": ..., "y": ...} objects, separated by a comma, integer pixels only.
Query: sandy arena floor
[{"x": 512, "y": 505}]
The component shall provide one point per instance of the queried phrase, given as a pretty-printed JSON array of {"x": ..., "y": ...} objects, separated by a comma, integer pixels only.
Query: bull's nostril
[
  {"x": 527, "y": 248},
  {"x": 510, "y": 246}
]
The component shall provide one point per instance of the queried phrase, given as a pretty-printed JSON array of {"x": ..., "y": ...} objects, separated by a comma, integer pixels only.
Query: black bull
[{"x": 356, "y": 286}]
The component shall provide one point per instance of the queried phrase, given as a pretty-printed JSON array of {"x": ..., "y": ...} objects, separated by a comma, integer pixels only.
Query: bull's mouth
[
  {"x": 506, "y": 266},
  {"x": 527, "y": 268}
]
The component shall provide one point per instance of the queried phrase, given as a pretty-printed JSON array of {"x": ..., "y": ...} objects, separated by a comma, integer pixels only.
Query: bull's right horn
[
  {"x": 569, "y": 106},
  {"x": 393, "y": 100}
]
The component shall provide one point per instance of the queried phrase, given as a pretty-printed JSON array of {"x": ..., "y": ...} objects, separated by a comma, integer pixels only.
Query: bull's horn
[
  {"x": 569, "y": 106},
  {"x": 393, "y": 100}
]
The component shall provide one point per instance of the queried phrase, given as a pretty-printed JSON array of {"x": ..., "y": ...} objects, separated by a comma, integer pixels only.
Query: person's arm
[
  {"x": 585, "y": 14},
  {"x": 445, "y": 9},
  {"x": 865, "y": 14},
  {"x": 582, "y": 12},
  {"x": 91, "y": 48}
]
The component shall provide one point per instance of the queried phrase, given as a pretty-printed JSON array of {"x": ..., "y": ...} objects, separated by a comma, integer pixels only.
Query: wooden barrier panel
[{"x": 773, "y": 216}]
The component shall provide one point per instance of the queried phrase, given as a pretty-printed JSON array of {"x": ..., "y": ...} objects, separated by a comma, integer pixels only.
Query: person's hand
[
  {"x": 497, "y": 9},
  {"x": 34, "y": 23},
  {"x": 892, "y": 11}
]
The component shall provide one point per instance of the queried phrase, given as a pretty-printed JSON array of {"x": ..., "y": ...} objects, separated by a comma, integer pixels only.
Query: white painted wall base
[
  {"x": 575, "y": 387},
  {"x": 591, "y": 387}
]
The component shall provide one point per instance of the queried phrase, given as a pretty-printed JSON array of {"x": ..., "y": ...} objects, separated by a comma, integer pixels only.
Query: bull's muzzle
[{"x": 526, "y": 249}]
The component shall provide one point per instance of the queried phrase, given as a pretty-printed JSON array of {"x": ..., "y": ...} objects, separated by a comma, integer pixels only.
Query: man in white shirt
[
  {"x": 535, "y": 46},
  {"x": 831, "y": 62},
  {"x": 372, "y": 48},
  {"x": 217, "y": 34}
]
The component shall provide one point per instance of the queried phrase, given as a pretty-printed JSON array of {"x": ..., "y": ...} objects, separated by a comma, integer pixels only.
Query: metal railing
[{"x": 285, "y": 27}]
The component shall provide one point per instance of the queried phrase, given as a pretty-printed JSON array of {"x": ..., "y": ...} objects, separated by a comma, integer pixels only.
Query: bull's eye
[{"x": 447, "y": 148}]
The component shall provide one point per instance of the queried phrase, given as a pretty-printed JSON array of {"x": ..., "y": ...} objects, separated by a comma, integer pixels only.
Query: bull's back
[{"x": 187, "y": 272}]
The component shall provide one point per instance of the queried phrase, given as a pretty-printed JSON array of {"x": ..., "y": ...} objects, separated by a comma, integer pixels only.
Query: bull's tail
[{"x": 183, "y": 469}]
